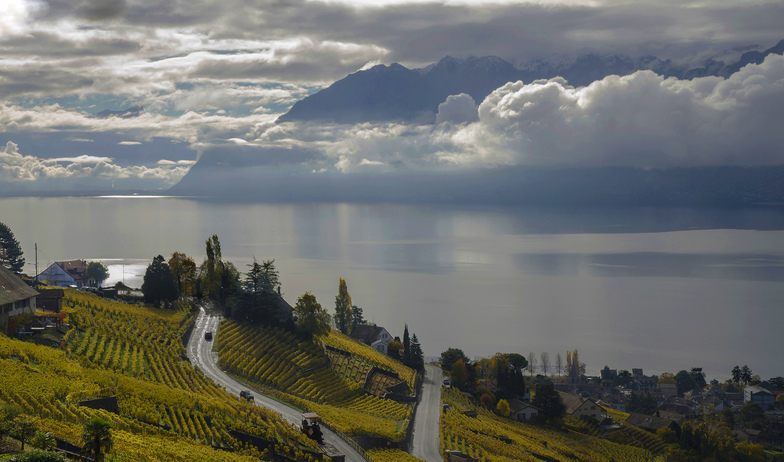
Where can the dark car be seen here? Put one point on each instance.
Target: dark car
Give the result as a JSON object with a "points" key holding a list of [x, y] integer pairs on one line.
{"points": [[247, 395], [208, 335]]}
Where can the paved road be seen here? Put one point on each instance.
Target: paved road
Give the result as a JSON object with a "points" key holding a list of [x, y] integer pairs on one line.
{"points": [[426, 422], [200, 354]]}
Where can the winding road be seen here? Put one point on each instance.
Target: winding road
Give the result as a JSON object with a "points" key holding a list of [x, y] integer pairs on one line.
{"points": [[200, 354], [426, 422]]}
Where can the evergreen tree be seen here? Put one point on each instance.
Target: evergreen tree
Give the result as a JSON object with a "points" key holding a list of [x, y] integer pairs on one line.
{"points": [[343, 315], [357, 319], [10, 251], [417, 357], [548, 400], [406, 347], [159, 284]]}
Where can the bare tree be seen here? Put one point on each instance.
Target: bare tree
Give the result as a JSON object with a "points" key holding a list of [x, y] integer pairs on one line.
{"points": [[558, 363], [545, 358], [531, 362]]}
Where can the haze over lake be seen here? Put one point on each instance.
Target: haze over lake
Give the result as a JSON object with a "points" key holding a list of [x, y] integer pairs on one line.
{"points": [[660, 289]]}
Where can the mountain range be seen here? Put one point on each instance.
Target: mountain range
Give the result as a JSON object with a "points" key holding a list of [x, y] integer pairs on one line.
{"points": [[396, 93]]}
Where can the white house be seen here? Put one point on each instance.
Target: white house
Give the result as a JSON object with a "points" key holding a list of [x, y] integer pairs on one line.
{"points": [[65, 273], [16, 297], [520, 411], [375, 336]]}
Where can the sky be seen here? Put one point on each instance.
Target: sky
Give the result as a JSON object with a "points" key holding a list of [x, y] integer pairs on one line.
{"points": [[212, 76]]}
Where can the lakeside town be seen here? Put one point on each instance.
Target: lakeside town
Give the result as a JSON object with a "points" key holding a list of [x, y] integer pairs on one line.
{"points": [[552, 393]]}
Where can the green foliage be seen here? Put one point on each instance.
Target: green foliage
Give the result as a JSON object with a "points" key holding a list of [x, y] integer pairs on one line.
{"points": [[184, 270], [684, 382], [641, 404], [23, 428], [416, 357], [38, 455], [548, 400], [97, 437], [358, 319], [10, 250], [343, 314], [159, 284], [450, 356], [752, 416], [97, 271], [459, 374], [43, 440], [311, 318]]}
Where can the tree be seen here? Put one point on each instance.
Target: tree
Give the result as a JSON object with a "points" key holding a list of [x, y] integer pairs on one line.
{"points": [[558, 364], [547, 399], [545, 358], [395, 348], [312, 319], [416, 358], [502, 408], [684, 381], [23, 428], [357, 320], [159, 284], [487, 400], [212, 268], [736, 375], [752, 416], [343, 315], [517, 361], [97, 437], [253, 282], [667, 377], [43, 440], [532, 362], [184, 270], [97, 271], [450, 356], [459, 374], [10, 250], [641, 404], [38, 455], [779, 403], [745, 374], [406, 346], [8, 412], [698, 376]]}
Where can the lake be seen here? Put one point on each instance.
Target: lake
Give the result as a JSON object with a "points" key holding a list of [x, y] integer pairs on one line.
{"points": [[661, 289]]}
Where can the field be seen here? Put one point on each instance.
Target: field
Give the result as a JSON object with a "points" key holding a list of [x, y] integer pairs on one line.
{"points": [[302, 373], [489, 437], [167, 409]]}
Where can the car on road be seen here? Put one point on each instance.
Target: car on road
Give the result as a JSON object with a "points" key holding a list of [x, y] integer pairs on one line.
{"points": [[208, 335], [247, 395]]}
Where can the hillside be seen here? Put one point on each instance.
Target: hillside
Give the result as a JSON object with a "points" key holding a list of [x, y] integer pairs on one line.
{"points": [[490, 437], [167, 409], [306, 375]]}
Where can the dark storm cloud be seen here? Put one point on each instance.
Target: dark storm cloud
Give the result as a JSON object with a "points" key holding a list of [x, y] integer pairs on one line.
{"points": [[45, 79], [52, 45]]}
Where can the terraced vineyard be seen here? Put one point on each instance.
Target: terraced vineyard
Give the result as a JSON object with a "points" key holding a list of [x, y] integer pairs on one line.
{"points": [[167, 409], [490, 437], [302, 373]]}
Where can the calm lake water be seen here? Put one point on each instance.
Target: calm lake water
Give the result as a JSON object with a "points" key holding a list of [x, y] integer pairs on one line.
{"points": [[660, 289]]}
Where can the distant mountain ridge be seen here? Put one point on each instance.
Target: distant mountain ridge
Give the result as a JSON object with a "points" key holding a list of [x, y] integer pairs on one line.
{"points": [[396, 93], [133, 111]]}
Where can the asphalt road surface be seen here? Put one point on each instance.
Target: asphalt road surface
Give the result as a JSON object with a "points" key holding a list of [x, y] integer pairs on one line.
{"points": [[426, 422], [201, 355]]}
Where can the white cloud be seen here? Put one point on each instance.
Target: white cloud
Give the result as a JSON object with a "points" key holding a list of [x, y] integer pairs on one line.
{"points": [[15, 15], [457, 109], [129, 143], [16, 167]]}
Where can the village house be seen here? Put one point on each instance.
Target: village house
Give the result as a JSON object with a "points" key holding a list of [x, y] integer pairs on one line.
{"points": [[16, 297], [66, 274], [521, 411], [651, 423], [759, 395], [583, 408], [375, 336], [50, 300]]}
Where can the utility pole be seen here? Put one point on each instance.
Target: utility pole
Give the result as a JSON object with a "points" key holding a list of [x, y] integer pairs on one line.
{"points": [[36, 265]]}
